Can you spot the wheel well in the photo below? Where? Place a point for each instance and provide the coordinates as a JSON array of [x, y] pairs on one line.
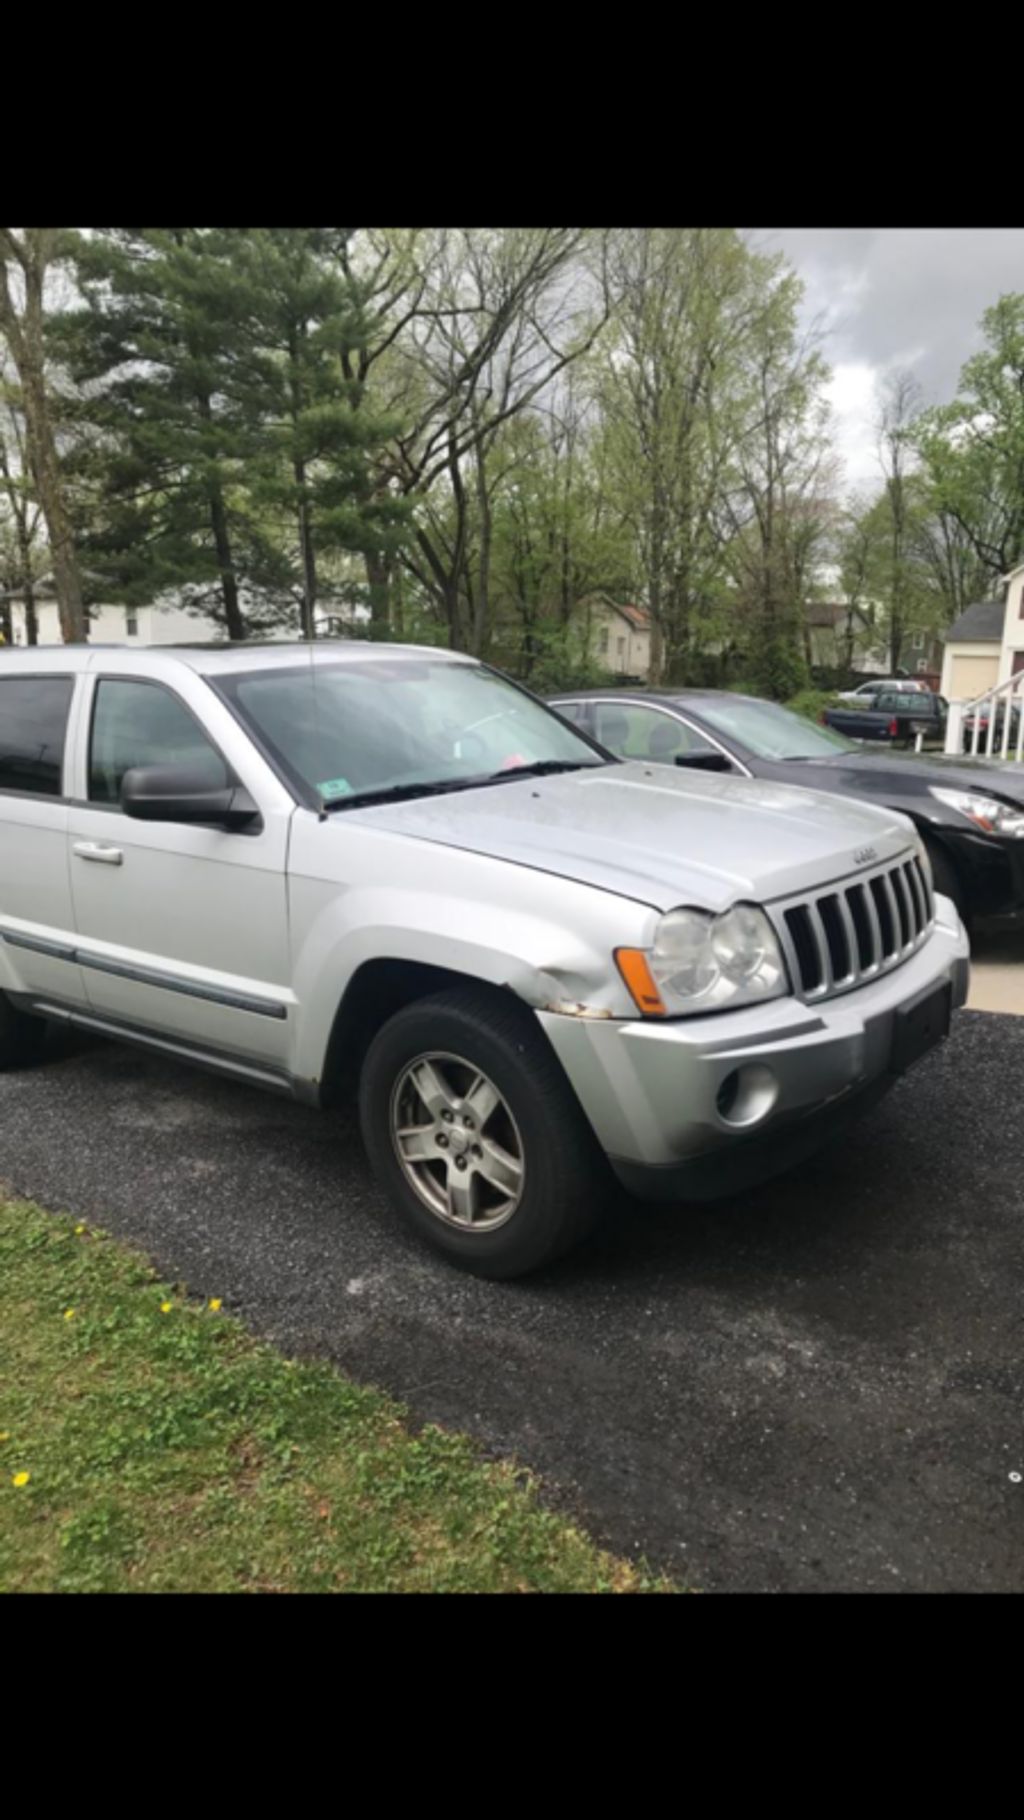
[[939, 851], [375, 992]]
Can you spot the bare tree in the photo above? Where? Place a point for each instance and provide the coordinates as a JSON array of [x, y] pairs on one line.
[[20, 575], [491, 320], [667, 382], [899, 405], [25, 258], [855, 559], [784, 476]]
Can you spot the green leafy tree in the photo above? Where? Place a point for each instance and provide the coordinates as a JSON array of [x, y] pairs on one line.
[[668, 379], [494, 319], [23, 554], [973, 448], [780, 491], [557, 541], [28, 258]]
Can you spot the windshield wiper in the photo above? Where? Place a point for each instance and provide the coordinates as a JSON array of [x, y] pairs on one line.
[[548, 767], [400, 793], [443, 786]]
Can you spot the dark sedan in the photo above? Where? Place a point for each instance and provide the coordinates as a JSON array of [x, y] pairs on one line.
[[969, 811]]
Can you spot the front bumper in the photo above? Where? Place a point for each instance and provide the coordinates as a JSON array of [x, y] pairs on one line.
[[657, 1094], [990, 868]]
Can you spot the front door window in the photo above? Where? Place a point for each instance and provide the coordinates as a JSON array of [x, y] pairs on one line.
[[637, 732]]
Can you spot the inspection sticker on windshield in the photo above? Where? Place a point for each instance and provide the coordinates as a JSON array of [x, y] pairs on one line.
[[335, 786]]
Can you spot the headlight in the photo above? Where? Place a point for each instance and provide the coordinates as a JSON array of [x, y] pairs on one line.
[[984, 811], [701, 962]]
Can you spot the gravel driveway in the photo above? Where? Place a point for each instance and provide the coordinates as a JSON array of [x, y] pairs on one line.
[[817, 1386]]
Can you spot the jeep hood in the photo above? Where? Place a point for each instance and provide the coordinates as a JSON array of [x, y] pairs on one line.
[[664, 838]]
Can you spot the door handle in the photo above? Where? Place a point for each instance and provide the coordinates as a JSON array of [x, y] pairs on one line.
[[94, 850]]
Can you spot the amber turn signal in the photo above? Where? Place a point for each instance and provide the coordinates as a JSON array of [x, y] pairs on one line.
[[633, 966]]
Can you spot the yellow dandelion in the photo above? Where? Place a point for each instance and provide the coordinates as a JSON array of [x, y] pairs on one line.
[[215, 1303], [20, 1479], [4, 1436], [165, 1307], [69, 1314], [79, 1229]]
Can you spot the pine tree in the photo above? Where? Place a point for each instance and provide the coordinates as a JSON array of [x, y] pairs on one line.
[[160, 477], [305, 324]]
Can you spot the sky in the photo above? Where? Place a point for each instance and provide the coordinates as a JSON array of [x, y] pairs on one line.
[[890, 298]]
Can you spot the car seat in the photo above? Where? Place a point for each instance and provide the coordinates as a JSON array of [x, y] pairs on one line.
[[665, 741], [613, 730]]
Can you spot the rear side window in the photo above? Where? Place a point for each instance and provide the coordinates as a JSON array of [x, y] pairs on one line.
[[141, 723], [33, 725]]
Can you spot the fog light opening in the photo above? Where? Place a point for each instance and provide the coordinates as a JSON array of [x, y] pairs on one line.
[[747, 1095]]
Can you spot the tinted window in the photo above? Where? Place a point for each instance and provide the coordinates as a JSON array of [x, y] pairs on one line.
[[137, 723], [33, 723], [634, 732]]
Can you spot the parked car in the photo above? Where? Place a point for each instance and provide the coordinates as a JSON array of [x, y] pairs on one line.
[[894, 715], [983, 716], [968, 812], [909, 685], [311, 868]]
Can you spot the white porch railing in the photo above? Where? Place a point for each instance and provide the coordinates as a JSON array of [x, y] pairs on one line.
[[1003, 737]]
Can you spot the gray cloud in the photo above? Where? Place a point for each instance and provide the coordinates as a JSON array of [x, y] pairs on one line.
[[895, 297], [905, 296]]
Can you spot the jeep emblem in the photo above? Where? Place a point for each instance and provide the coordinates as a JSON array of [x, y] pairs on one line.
[[864, 856]]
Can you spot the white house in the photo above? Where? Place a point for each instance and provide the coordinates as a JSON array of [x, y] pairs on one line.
[[118, 625], [166, 625], [985, 646], [619, 637]]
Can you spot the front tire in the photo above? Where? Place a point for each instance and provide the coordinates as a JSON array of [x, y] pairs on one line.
[[21, 1038], [475, 1133]]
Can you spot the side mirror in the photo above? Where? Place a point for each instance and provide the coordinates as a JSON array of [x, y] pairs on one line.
[[176, 793], [704, 761]]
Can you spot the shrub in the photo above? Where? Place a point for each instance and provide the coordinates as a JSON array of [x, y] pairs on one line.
[[811, 703], [778, 670]]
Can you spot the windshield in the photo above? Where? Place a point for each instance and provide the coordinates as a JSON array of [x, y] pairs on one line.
[[354, 731], [769, 731]]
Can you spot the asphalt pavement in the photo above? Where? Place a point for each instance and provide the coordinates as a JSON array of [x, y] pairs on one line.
[[817, 1385]]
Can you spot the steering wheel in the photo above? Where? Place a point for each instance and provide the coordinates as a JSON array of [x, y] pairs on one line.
[[470, 745]]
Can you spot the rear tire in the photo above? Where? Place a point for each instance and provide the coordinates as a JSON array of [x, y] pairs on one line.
[[22, 1039], [475, 1133]]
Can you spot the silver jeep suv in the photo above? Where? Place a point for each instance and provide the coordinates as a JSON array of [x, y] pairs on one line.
[[392, 869]]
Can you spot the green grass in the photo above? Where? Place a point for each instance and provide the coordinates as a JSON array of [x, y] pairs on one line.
[[148, 1443]]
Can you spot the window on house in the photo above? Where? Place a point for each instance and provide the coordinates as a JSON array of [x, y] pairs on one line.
[[622, 647], [131, 625]]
